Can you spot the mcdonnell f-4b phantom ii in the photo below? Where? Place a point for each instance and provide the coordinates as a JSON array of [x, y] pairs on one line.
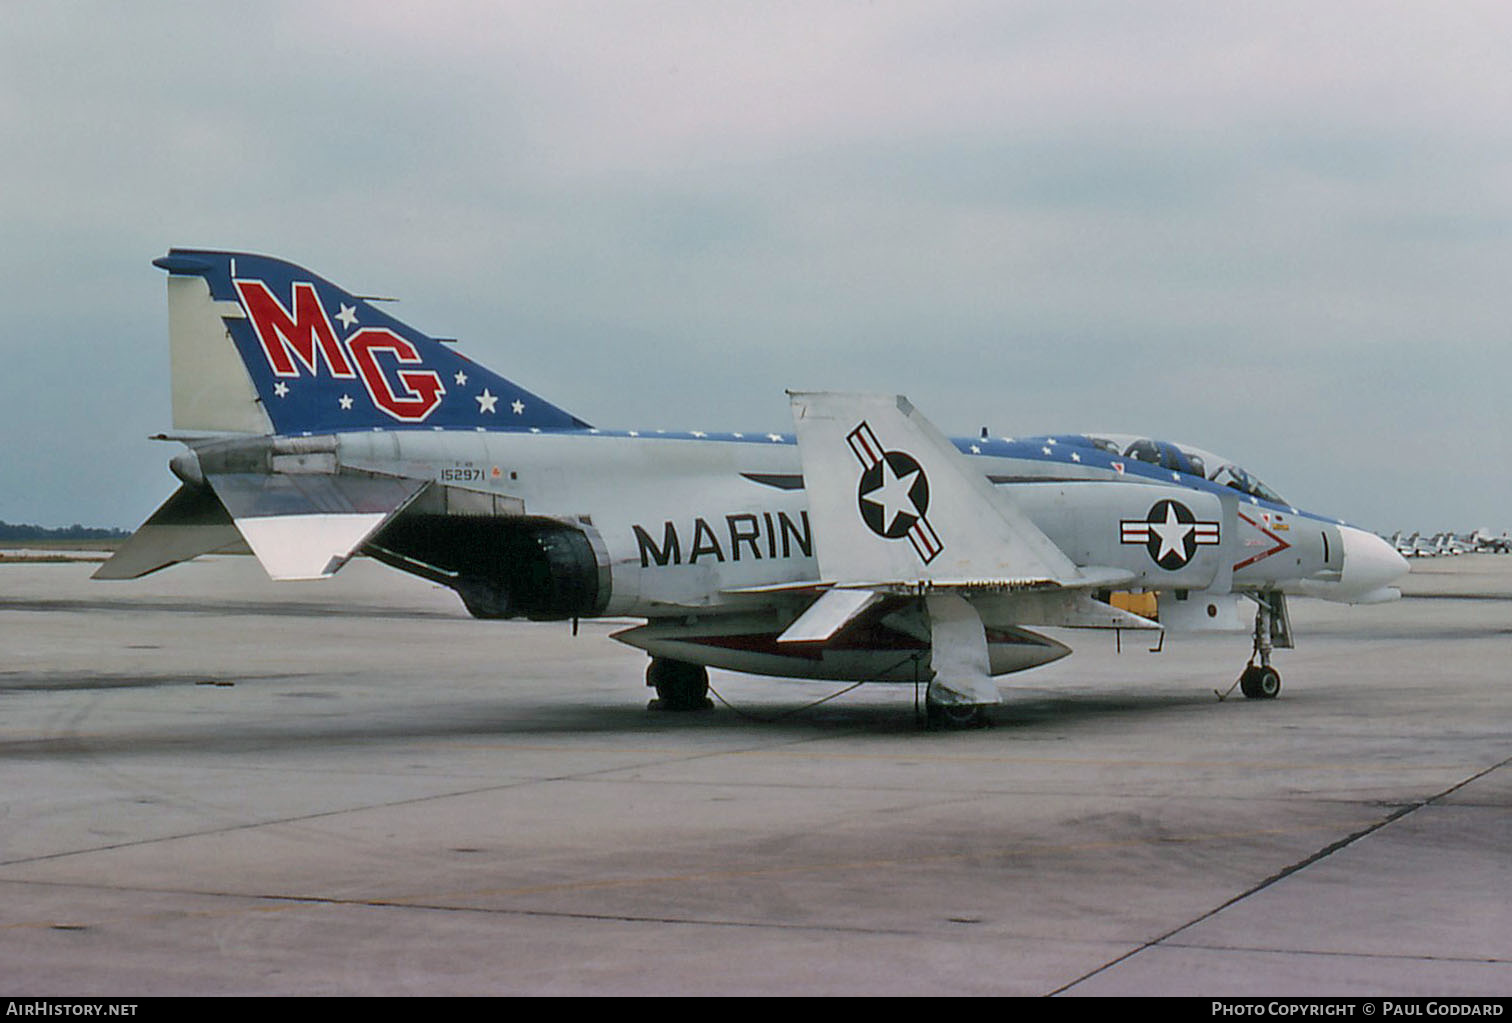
[[861, 546]]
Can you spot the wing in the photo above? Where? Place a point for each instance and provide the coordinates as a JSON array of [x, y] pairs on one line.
[[896, 509], [895, 506]]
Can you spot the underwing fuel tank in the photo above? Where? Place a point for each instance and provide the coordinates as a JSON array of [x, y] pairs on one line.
[[887, 650]]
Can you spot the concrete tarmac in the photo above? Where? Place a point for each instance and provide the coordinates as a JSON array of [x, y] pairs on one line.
[[214, 784]]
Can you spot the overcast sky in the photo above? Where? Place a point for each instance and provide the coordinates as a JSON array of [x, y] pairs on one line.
[[1279, 231]]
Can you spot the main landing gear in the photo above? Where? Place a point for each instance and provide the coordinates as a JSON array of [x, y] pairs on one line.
[[955, 717], [1272, 628], [679, 686]]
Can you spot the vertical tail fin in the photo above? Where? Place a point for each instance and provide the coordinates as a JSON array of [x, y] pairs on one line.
[[263, 346]]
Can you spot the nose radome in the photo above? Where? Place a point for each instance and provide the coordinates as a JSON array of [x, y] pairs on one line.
[[1369, 562]]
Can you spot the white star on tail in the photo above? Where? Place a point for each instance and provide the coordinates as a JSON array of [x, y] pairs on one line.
[[486, 401], [893, 496], [347, 316]]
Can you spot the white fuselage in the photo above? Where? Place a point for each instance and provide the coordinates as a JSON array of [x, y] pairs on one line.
[[685, 521]]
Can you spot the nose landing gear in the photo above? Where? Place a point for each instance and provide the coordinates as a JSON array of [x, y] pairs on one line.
[[1272, 629]]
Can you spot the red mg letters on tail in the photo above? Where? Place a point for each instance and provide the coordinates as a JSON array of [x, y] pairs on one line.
[[422, 388], [299, 334], [305, 338]]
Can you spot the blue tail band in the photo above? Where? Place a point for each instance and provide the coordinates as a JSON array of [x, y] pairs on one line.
[[325, 361]]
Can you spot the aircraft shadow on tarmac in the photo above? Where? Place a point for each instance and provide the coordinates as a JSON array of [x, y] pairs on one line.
[[334, 722], [302, 609]]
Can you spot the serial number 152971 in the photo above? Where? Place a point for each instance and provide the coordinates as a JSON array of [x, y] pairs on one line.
[[461, 474]]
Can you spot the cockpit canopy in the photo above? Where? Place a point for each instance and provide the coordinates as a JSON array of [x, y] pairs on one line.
[[1178, 458]]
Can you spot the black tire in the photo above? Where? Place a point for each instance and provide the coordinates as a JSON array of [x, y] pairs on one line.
[[1247, 681], [679, 686], [1260, 682], [957, 717]]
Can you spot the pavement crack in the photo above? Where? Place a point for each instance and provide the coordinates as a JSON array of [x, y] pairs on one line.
[[1284, 873], [1417, 957]]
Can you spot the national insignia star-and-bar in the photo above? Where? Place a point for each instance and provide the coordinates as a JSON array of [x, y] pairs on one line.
[[1170, 532], [875, 463]]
